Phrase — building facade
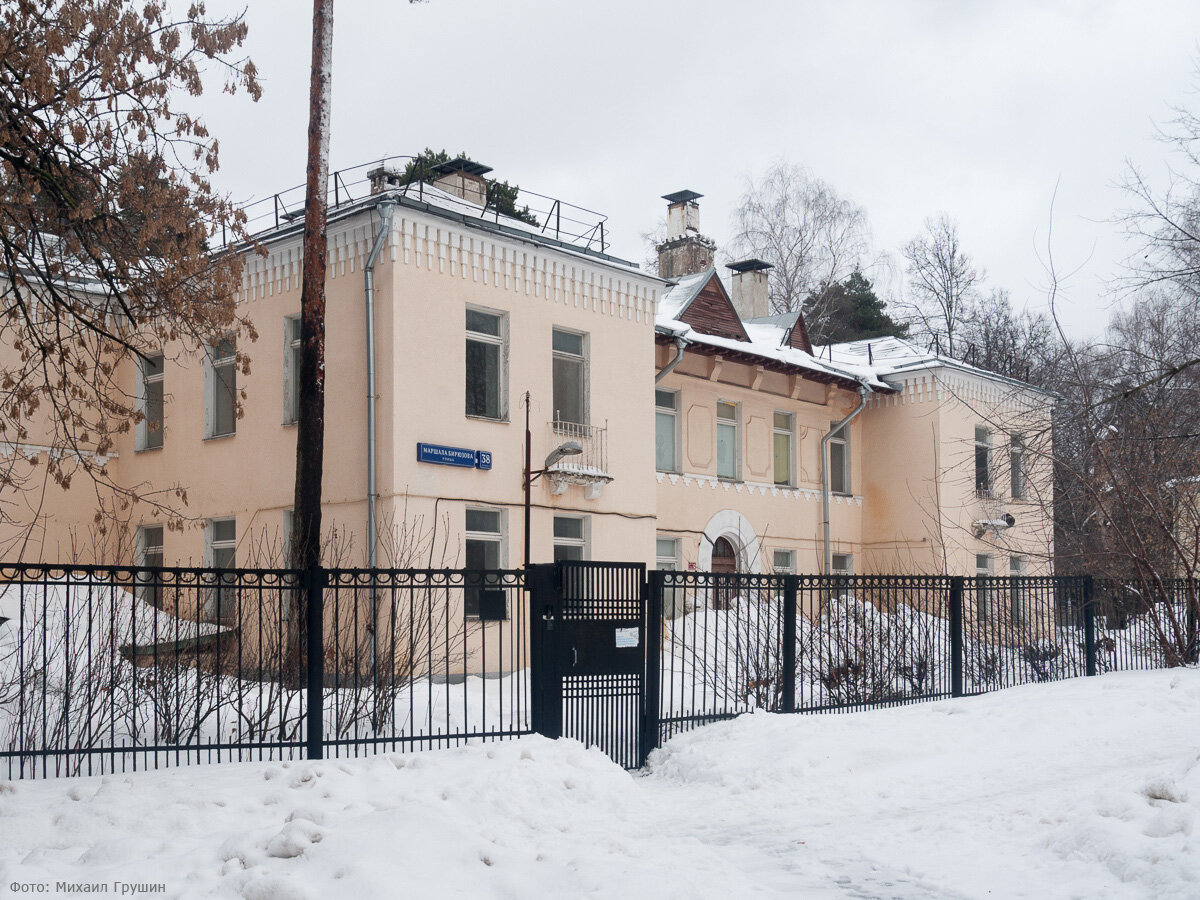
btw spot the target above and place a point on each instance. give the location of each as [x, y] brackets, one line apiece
[700, 431]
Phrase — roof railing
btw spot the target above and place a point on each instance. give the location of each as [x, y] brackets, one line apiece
[567, 223]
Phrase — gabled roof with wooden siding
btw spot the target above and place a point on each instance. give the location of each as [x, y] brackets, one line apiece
[701, 301]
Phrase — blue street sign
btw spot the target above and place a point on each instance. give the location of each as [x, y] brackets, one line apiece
[454, 456]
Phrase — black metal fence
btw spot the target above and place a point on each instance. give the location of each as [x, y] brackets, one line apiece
[733, 643]
[107, 669]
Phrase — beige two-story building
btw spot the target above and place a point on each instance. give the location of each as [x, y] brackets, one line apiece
[706, 432]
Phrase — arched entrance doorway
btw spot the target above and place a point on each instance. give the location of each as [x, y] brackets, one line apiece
[724, 562]
[724, 556]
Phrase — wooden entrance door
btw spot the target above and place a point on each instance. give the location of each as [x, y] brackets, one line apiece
[724, 566]
[724, 558]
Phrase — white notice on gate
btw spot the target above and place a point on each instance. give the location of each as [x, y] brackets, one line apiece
[627, 637]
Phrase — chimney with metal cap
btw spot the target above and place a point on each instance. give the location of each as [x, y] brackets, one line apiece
[748, 290]
[685, 251]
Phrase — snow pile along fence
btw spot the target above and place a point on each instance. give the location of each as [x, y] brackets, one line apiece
[106, 669]
[734, 643]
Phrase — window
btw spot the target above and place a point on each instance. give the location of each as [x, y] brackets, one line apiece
[1016, 570]
[221, 406]
[666, 431]
[570, 538]
[983, 461]
[570, 377]
[841, 564]
[839, 462]
[150, 554]
[289, 528]
[666, 551]
[983, 588]
[727, 440]
[783, 448]
[221, 553]
[1016, 465]
[291, 370]
[150, 429]
[783, 562]
[487, 352]
[483, 597]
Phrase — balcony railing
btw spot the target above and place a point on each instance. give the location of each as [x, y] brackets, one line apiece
[589, 468]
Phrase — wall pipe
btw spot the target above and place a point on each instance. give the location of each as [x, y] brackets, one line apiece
[680, 343]
[836, 429]
[385, 207]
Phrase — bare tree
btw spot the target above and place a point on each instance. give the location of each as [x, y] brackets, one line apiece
[811, 235]
[107, 216]
[1022, 345]
[1165, 224]
[943, 281]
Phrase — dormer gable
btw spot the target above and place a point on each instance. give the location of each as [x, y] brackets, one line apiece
[797, 336]
[710, 311]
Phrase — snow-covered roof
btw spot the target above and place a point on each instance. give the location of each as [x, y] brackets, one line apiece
[432, 199]
[679, 296]
[871, 362]
[766, 342]
[893, 357]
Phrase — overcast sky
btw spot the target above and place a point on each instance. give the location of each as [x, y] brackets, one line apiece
[907, 108]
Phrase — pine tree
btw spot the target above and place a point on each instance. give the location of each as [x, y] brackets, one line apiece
[502, 196]
[854, 313]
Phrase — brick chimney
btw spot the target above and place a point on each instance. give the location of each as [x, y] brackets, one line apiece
[384, 178]
[464, 179]
[748, 290]
[685, 251]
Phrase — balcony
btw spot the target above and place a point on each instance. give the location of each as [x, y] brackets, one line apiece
[588, 469]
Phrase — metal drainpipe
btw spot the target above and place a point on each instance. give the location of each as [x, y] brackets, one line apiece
[680, 343]
[385, 208]
[863, 390]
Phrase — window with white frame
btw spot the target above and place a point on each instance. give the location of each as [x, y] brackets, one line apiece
[1017, 592]
[783, 562]
[570, 377]
[666, 558]
[570, 538]
[150, 555]
[483, 543]
[220, 552]
[1016, 466]
[666, 553]
[150, 391]
[221, 403]
[983, 589]
[487, 360]
[289, 528]
[983, 461]
[666, 430]
[839, 461]
[783, 452]
[728, 440]
[291, 370]
[841, 564]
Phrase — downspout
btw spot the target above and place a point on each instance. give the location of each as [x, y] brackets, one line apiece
[680, 344]
[835, 430]
[385, 208]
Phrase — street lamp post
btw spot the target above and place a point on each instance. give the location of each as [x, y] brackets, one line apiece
[568, 448]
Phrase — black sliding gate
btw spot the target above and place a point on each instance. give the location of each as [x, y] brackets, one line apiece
[588, 655]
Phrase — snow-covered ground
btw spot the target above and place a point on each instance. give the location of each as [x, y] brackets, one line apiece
[1082, 788]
